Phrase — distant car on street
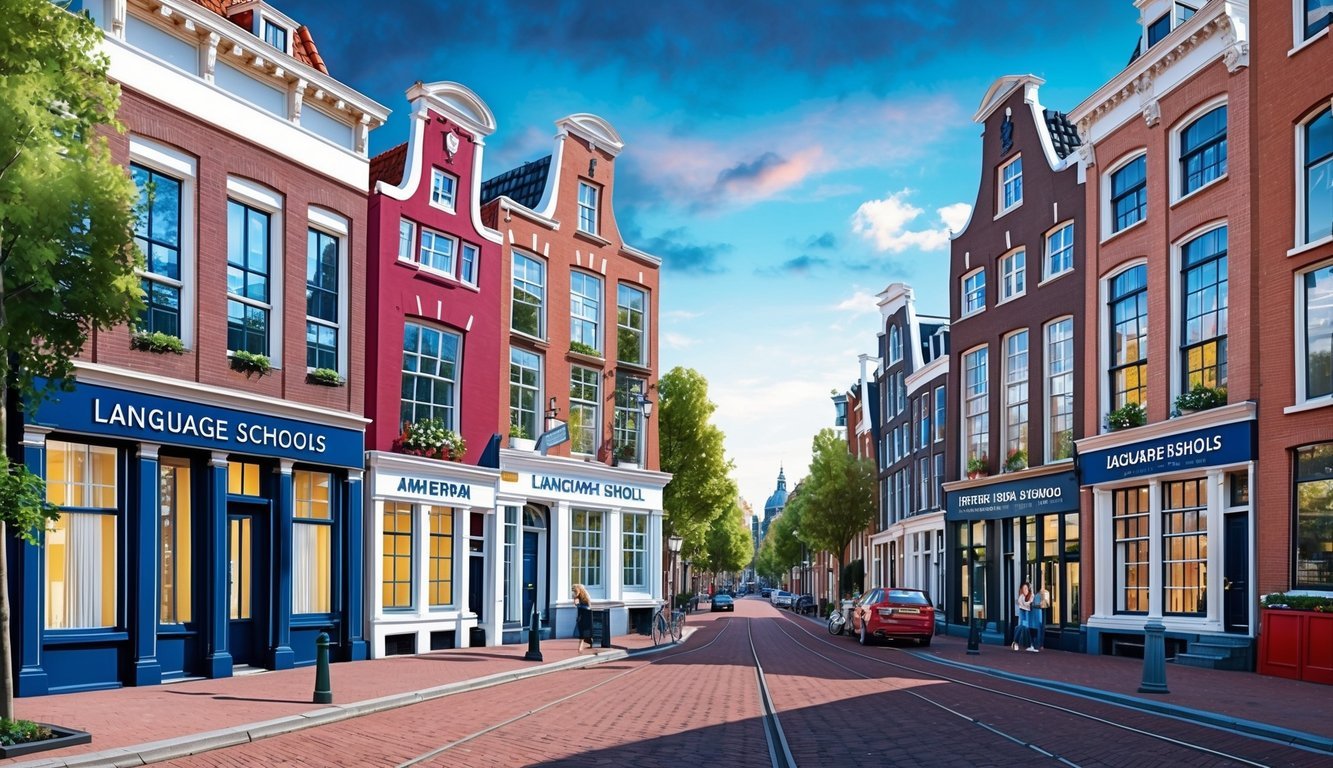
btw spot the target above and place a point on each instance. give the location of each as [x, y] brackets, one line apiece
[804, 604]
[765, 592]
[893, 613]
[723, 602]
[783, 599]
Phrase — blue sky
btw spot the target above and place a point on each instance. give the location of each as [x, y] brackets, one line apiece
[786, 161]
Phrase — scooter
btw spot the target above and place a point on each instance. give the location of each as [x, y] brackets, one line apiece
[836, 622]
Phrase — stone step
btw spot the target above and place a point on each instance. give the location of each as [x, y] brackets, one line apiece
[1222, 650]
[1209, 661]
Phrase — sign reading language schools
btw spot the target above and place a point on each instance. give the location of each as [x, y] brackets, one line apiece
[100, 410]
[1207, 447]
[1015, 498]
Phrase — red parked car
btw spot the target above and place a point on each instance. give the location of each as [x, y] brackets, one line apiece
[893, 613]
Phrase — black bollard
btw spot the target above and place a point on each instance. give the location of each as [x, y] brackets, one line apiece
[534, 641]
[1154, 658]
[323, 688]
[973, 637]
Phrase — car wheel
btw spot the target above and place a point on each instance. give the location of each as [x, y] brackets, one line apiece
[925, 642]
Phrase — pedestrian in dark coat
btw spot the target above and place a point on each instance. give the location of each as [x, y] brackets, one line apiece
[583, 621]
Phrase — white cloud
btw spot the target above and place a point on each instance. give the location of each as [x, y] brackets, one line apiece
[885, 223]
[681, 314]
[678, 340]
[858, 303]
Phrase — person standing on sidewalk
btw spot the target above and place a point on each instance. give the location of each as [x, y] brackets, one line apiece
[1022, 606]
[583, 621]
[1037, 619]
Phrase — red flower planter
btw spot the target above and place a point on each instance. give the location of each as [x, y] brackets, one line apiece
[1297, 645]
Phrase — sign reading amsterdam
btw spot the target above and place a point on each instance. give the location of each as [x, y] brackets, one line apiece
[1015, 498]
[96, 409]
[453, 491]
[1208, 447]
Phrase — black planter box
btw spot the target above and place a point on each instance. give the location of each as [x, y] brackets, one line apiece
[64, 737]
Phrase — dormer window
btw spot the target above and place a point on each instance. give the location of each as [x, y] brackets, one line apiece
[276, 35]
[1162, 26]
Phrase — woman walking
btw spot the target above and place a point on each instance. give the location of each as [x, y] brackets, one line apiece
[583, 622]
[1037, 619]
[1022, 606]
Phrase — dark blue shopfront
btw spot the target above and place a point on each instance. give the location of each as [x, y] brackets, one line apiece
[199, 531]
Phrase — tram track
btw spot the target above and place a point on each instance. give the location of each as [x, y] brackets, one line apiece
[811, 636]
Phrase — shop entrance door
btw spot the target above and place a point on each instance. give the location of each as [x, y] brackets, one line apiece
[529, 573]
[247, 589]
[1236, 574]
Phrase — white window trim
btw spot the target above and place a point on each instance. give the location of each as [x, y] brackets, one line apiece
[1298, 39]
[601, 307]
[1046, 252]
[1000, 297]
[1176, 305]
[596, 409]
[1001, 210]
[1105, 198]
[895, 349]
[457, 257]
[265, 199]
[1174, 177]
[962, 289]
[1047, 436]
[1298, 174]
[265, 19]
[542, 327]
[1003, 383]
[1304, 402]
[596, 209]
[181, 166]
[1104, 337]
[450, 205]
[456, 401]
[962, 407]
[411, 257]
[333, 224]
[646, 360]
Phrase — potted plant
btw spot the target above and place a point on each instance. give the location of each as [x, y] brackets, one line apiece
[430, 438]
[627, 455]
[1127, 416]
[325, 377]
[1296, 637]
[157, 342]
[519, 439]
[977, 466]
[24, 737]
[584, 349]
[1200, 397]
[249, 363]
[1016, 460]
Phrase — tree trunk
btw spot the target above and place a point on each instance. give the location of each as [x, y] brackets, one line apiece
[6, 652]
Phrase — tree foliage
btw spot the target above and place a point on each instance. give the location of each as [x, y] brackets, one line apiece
[691, 447]
[729, 547]
[838, 496]
[67, 253]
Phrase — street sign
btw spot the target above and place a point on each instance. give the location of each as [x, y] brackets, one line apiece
[553, 437]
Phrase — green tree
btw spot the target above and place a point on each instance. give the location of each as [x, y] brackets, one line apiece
[838, 496]
[691, 448]
[67, 253]
[729, 547]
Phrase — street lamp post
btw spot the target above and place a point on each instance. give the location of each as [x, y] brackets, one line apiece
[646, 408]
[673, 546]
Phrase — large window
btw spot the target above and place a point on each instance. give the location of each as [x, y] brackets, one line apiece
[585, 310]
[430, 375]
[1013, 275]
[895, 345]
[585, 547]
[1129, 336]
[974, 292]
[248, 265]
[528, 311]
[1318, 14]
[1016, 395]
[438, 252]
[1129, 193]
[175, 526]
[312, 543]
[1314, 517]
[1060, 390]
[1129, 516]
[443, 189]
[1317, 301]
[587, 208]
[1011, 184]
[525, 376]
[157, 232]
[81, 572]
[1203, 150]
[441, 573]
[631, 325]
[627, 429]
[396, 562]
[976, 405]
[1185, 547]
[940, 407]
[634, 536]
[585, 424]
[1060, 251]
[1203, 350]
[321, 300]
[1317, 182]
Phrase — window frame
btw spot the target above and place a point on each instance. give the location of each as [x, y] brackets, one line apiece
[1302, 174]
[628, 421]
[1008, 183]
[1179, 155]
[582, 304]
[589, 541]
[1051, 413]
[111, 560]
[532, 426]
[593, 378]
[1017, 434]
[436, 542]
[941, 411]
[1013, 283]
[451, 411]
[1110, 226]
[175, 575]
[540, 291]
[315, 522]
[1302, 334]
[1301, 28]
[969, 393]
[264, 200]
[265, 24]
[1301, 476]
[1047, 253]
[400, 510]
[589, 214]
[629, 311]
[634, 551]
[439, 197]
[1141, 545]
[335, 226]
[1112, 368]
[1199, 535]
[968, 289]
[895, 344]
[166, 161]
[1183, 346]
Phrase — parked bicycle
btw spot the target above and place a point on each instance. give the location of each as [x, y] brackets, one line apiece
[668, 625]
[836, 621]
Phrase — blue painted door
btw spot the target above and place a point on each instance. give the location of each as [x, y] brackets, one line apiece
[529, 574]
[247, 604]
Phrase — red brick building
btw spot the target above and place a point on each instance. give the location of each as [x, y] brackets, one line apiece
[579, 324]
[211, 505]
[434, 339]
[1172, 317]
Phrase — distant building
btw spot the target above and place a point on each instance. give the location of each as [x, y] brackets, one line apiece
[777, 501]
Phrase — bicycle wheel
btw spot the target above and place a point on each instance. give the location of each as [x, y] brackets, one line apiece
[659, 630]
[678, 627]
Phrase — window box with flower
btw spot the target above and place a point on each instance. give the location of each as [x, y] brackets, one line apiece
[430, 438]
[1127, 416]
[520, 440]
[978, 466]
[1201, 397]
[1016, 459]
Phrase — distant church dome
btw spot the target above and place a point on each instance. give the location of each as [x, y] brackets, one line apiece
[778, 500]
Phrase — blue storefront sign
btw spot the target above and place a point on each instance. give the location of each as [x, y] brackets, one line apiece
[1047, 494]
[1208, 447]
[100, 410]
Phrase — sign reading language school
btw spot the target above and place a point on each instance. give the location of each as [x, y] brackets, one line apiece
[1208, 447]
[95, 409]
[1015, 498]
